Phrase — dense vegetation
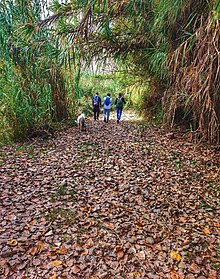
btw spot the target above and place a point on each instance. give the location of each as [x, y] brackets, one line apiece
[169, 51]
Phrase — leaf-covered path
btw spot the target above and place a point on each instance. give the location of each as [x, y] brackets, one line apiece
[117, 201]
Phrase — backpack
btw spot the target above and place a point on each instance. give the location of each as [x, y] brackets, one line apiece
[96, 101]
[107, 101]
[119, 103]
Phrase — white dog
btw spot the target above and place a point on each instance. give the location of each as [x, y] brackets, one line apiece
[81, 122]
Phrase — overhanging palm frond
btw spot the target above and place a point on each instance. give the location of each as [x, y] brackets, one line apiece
[50, 20]
[196, 72]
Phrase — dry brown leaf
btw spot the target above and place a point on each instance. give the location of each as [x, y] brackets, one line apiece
[85, 252]
[49, 233]
[33, 222]
[212, 274]
[53, 276]
[215, 260]
[141, 255]
[43, 219]
[56, 263]
[139, 224]
[62, 250]
[174, 275]
[6, 272]
[206, 231]
[75, 269]
[109, 226]
[175, 256]
[118, 249]
[120, 255]
[137, 274]
[41, 246]
[194, 268]
[139, 227]
[12, 242]
[32, 250]
[89, 243]
[2, 262]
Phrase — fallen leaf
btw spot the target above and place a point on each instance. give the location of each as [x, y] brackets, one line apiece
[141, 255]
[174, 275]
[6, 272]
[43, 219]
[206, 231]
[36, 262]
[194, 268]
[118, 249]
[49, 233]
[32, 250]
[139, 224]
[62, 250]
[12, 242]
[120, 255]
[56, 263]
[41, 246]
[89, 243]
[2, 262]
[33, 222]
[139, 227]
[137, 274]
[175, 256]
[75, 269]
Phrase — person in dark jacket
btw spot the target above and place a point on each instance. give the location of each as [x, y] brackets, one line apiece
[119, 102]
[96, 104]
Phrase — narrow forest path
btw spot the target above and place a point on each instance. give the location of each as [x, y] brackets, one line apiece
[117, 201]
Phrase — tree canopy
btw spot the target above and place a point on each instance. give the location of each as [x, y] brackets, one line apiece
[171, 46]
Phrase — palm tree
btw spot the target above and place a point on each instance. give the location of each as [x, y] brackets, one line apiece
[195, 78]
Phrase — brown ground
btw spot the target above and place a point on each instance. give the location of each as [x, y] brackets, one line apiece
[117, 201]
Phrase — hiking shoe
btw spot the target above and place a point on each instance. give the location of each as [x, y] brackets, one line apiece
[104, 120]
[117, 121]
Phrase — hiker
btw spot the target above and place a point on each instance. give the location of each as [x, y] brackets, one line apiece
[96, 104]
[119, 102]
[107, 107]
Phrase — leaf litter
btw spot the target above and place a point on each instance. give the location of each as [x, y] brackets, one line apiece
[116, 201]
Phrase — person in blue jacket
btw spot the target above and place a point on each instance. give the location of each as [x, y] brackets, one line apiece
[107, 107]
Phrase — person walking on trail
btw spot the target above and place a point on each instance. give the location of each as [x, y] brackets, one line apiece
[96, 104]
[119, 102]
[107, 107]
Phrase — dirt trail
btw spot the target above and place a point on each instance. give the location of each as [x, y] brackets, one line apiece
[117, 201]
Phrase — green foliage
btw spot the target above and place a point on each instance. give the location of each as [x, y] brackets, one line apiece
[35, 87]
[102, 83]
